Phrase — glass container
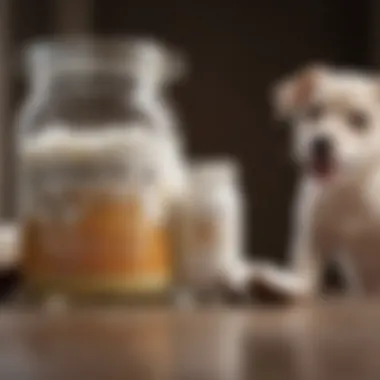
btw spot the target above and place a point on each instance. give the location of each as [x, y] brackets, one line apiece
[100, 165]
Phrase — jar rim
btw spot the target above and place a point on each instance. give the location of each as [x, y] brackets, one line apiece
[120, 43]
[115, 48]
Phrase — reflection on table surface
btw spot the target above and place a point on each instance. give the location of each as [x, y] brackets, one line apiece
[334, 341]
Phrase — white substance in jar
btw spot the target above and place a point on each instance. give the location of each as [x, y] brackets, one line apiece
[212, 223]
[134, 144]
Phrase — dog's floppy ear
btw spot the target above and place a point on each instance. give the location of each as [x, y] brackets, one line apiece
[292, 93]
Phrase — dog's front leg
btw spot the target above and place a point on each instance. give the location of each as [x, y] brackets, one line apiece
[301, 278]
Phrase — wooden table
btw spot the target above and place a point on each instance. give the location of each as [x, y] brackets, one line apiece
[335, 341]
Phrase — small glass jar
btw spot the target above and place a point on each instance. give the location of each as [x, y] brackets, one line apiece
[212, 226]
[96, 139]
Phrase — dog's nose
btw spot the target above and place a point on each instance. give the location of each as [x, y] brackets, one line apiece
[321, 147]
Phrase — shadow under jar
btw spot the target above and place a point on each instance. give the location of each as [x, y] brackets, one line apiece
[95, 188]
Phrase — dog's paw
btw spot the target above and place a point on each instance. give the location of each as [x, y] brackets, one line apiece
[235, 279]
[260, 291]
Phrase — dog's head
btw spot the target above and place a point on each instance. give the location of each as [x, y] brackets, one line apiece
[335, 116]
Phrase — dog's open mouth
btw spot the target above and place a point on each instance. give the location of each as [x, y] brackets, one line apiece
[322, 168]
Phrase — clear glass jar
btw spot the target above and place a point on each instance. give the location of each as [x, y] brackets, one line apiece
[212, 238]
[96, 141]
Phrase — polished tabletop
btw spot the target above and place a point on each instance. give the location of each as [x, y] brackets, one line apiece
[337, 341]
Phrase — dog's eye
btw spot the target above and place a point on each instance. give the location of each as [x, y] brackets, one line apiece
[357, 120]
[314, 112]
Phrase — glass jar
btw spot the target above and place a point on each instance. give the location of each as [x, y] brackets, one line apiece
[212, 238]
[100, 162]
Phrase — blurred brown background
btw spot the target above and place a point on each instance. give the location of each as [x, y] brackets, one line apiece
[237, 48]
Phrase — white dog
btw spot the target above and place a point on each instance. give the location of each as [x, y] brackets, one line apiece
[336, 133]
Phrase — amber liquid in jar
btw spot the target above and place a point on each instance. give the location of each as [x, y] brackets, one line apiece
[95, 221]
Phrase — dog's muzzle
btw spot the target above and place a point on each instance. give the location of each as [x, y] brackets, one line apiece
[321, 148]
